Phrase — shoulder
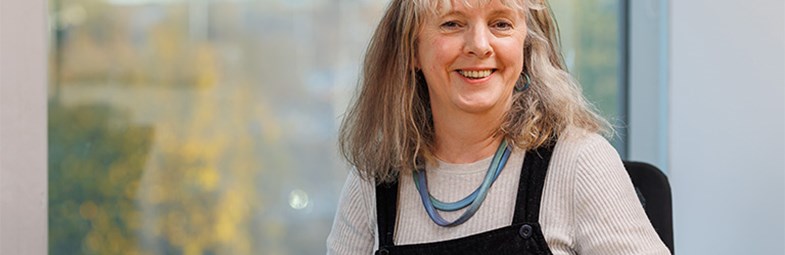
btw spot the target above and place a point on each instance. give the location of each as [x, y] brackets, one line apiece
[580, 158]
[604, 208]
[358, 192]
[356, 182]
[580, 145]
[586, 158]
[594, 171]
[353, 228]
[578, 136]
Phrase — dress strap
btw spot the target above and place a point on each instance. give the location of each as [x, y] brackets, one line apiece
[530, 186]
[386, 206]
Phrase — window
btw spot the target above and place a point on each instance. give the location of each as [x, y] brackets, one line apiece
[594, 46]
[209, 126]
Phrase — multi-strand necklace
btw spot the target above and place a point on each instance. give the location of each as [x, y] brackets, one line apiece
[473, 200]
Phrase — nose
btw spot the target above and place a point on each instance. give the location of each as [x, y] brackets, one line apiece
[478, 42]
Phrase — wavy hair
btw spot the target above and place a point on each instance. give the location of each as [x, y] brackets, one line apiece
[388, 129]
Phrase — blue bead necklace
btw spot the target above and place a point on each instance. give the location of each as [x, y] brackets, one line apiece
[473, 200]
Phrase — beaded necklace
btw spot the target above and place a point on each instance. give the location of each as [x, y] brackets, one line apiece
[473, 200]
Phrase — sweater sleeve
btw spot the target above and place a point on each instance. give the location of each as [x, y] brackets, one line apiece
[610, 219]
[353, 228]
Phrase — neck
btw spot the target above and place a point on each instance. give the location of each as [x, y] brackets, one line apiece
[467, 138]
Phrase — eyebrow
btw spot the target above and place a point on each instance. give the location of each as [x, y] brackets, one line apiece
[495, 13]
[452, 13]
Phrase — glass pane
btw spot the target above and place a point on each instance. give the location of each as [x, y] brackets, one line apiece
[209, 126]
[199, 127]
[590, 36]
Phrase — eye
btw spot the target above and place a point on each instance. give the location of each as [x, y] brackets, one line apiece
[450, 25]
[502, 25]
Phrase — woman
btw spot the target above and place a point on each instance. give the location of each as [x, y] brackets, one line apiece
[468, 136]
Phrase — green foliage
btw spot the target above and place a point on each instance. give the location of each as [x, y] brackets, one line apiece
[95, 164]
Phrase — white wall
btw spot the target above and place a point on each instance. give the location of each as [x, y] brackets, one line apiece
[727, 126]
[23, 217]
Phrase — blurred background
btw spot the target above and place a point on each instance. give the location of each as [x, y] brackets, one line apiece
[209, 126]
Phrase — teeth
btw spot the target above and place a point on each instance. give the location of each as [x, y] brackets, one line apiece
[476, 74]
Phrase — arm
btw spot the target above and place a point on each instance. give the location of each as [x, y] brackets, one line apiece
[353, 229]
[610, 219]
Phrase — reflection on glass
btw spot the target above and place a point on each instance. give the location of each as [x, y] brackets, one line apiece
[206, 126]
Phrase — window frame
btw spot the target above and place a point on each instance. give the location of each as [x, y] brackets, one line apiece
[648, 82]
[23, 129]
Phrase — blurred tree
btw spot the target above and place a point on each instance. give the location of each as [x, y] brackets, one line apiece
[95, 164]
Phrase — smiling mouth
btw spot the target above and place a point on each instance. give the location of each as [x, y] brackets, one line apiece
[476, 74]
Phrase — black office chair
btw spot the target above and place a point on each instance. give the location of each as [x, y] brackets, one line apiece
[654, 191]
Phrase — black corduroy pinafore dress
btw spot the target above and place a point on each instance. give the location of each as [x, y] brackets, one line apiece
[523, 236]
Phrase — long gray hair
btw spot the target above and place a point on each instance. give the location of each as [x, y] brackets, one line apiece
[388, 129]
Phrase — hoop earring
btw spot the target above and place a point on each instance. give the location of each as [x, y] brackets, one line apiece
[523, 82]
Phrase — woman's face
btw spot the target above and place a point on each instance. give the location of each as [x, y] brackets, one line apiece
[471, 57]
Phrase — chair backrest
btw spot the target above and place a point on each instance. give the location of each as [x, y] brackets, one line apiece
[654, 191]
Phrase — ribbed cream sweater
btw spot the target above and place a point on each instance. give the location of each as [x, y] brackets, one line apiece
[589, 205]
